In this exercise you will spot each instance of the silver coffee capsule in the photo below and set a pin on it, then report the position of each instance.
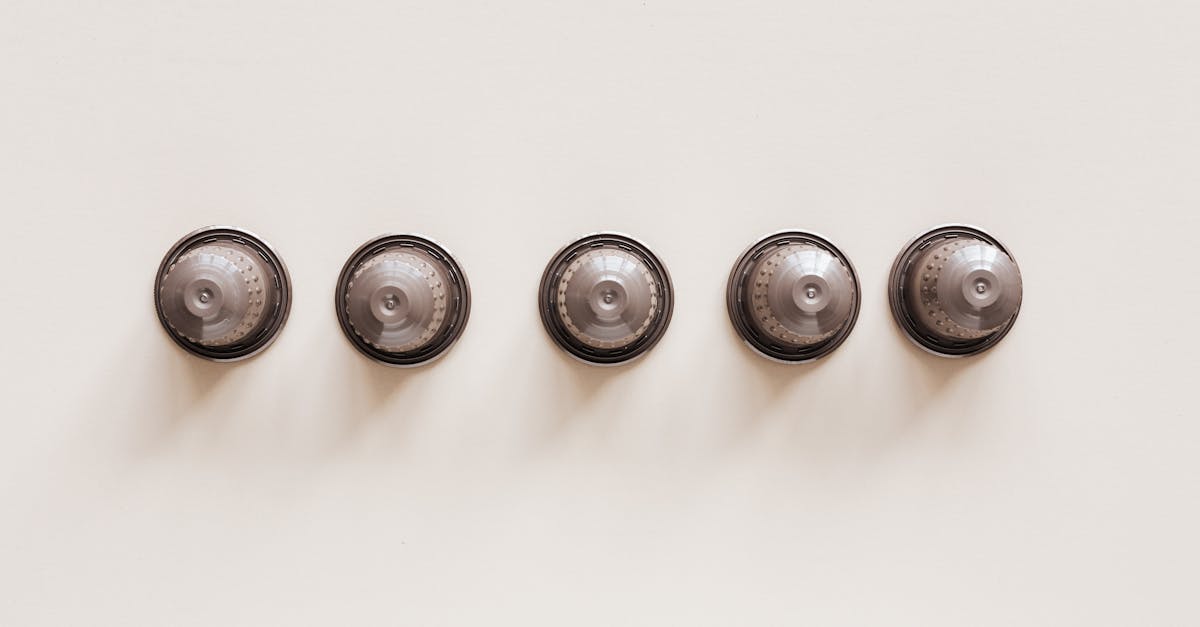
(222, 293)
(793, 296)
(605, 298)
(955, 291)
(402, 300)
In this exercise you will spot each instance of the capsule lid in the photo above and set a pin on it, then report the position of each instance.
(955, 290)
(402, 300)
(222, 293)
(605, 298)
(793, 296)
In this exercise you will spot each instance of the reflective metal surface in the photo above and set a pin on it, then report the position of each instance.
(793, 296)
(222, 293)
(605, 298)
(955, 290)
(402, 300)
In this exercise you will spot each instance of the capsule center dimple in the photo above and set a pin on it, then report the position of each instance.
(205, 295)
(980, 287)
(389, 303)
(811, 292)
(608, 297)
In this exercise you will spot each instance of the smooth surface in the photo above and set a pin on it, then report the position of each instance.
(1051, 481)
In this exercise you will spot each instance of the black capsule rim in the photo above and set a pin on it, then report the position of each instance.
(547, 300)
(460, 289)
(254, 343)
(738, 306)
(898, 279)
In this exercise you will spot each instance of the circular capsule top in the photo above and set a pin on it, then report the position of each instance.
(955, 290)
(402, 300)
(605, 298)
(793, 296)
(222, 293)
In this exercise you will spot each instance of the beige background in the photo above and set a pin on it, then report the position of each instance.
(1053, 481)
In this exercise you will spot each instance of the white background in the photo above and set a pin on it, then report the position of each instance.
(1052, 481)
